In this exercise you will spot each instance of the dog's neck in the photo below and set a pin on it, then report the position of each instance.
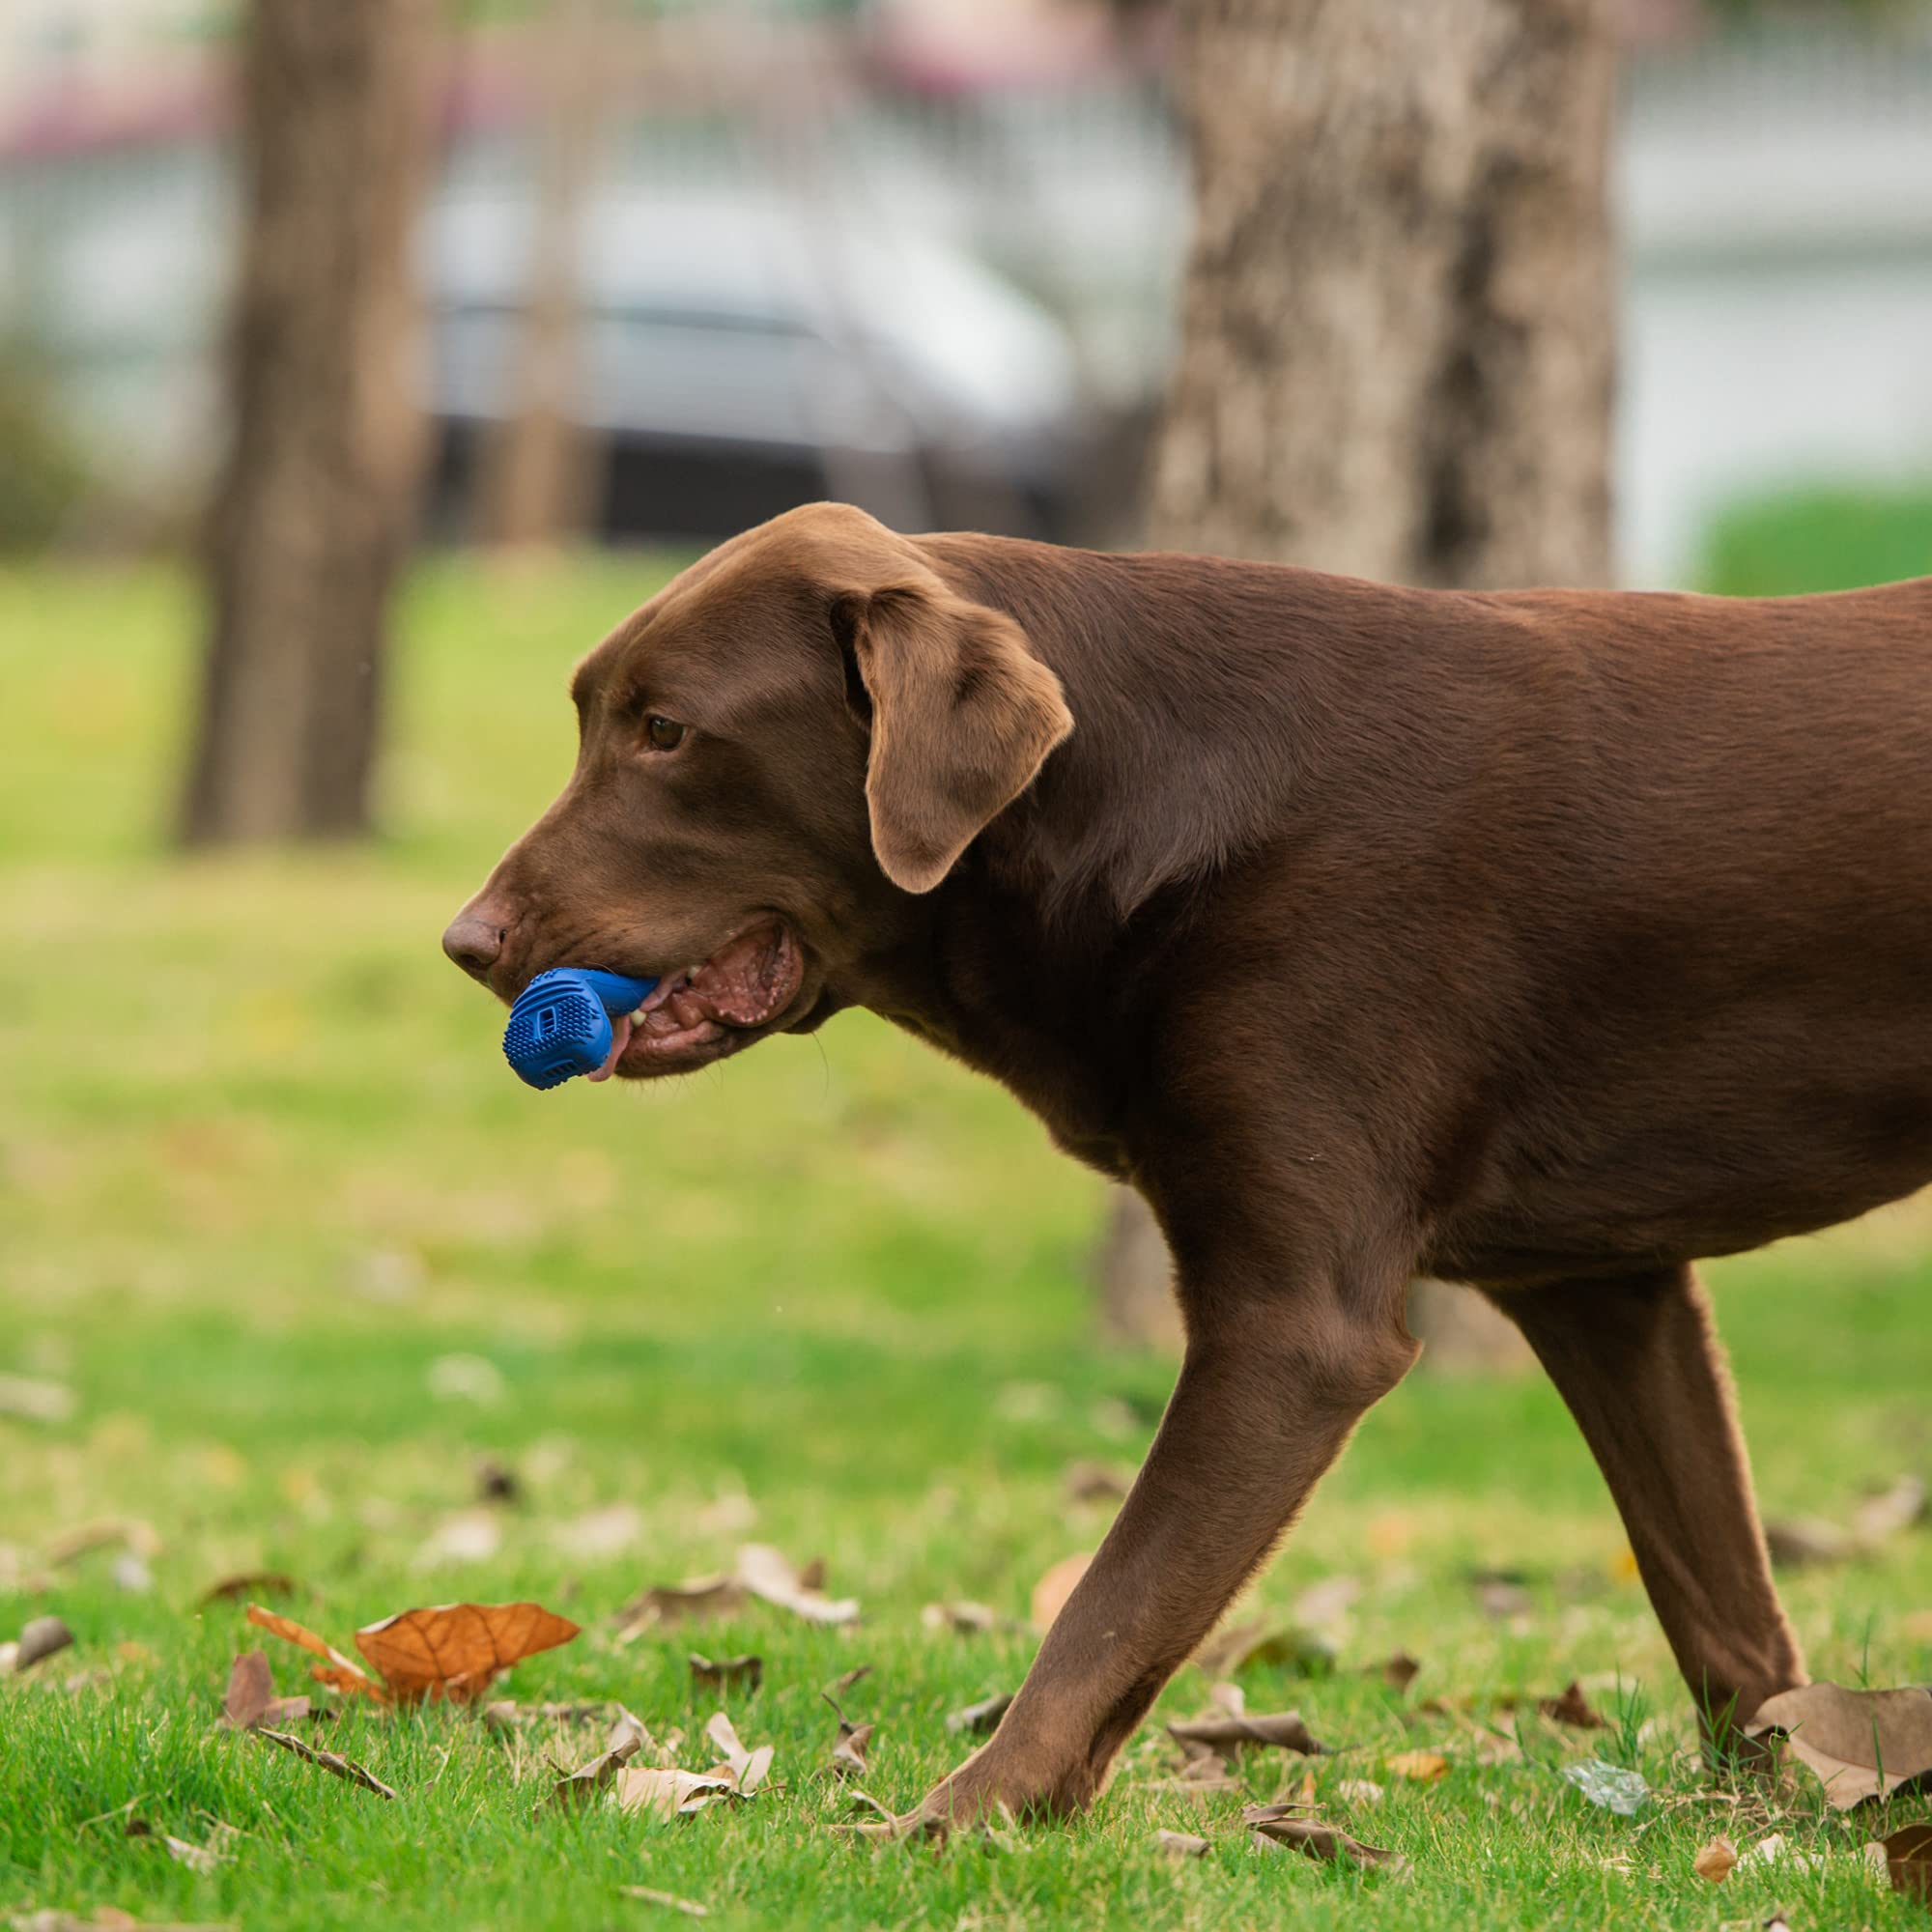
(1201, 693)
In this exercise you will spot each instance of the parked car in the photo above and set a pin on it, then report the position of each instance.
(739, 356)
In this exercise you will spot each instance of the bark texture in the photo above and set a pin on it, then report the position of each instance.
(315, 504)
(1397, 344)
(539, 476)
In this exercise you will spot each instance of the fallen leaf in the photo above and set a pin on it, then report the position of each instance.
(1327, 1603)
(603, 1533)
(647, 1895)
(1861, 1744)
(1880, 1518)
(1398, 1670)
(626, 1740)
(1502, 1593)
(105, 1533)
(341, 1672)
(1608, 1786)
(848, 1754)
(1716, 1861)
(1283, 1730)
(196, 1857)
(967, 1619)
(730, 1673)
(470, 1536)
(768, 1574)
(1051, 1592)
(1358, 1790)
(497, 1482)
(1181, 1845)
(1906, 1857)
(699, 1601)
(666, 1792)
(457, 1650)
(250, 1583)
(748, 1768)
(1307, 1653)
(843, 1682)
(251, 1690)
(1091, 1482)
(1806, 1543)
(1773, 1850)
(36, 1401)
(1418, 1766)
(1277, 1825)
(329, 1761)
(41, 1638)
(131, 1573)
(1570, 1707)
(982, 1719)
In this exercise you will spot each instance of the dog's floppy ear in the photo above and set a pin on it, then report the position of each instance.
(962, 714)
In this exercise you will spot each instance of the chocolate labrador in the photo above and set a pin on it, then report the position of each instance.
(1544, 941)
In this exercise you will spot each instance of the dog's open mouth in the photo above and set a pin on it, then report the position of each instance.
(709, 1008)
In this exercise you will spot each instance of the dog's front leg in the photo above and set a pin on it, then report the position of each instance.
(1271, 1388)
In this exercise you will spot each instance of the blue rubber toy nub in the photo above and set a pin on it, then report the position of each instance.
(560, 1025)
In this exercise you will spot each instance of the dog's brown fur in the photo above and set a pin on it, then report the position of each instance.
(1544, 941)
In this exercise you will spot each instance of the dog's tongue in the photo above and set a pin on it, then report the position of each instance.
(620, 1039)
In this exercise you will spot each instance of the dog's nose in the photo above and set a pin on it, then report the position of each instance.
(473, 940)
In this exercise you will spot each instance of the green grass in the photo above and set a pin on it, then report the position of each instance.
(1828, 537)
(261, 1169)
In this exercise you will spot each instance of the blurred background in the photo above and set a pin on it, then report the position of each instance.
(363, 361)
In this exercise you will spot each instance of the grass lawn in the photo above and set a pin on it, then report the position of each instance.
(304, 1253)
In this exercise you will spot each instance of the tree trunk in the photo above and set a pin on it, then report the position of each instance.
(1397, 334)
(539, 473)
(314, 505)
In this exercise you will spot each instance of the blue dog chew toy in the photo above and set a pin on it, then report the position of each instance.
(560, 1025)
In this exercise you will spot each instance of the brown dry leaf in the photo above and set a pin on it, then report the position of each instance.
(458, 1650)
(1051, 1592)
(649, 1894)
(1570, 1707)
(1181, 1845)
(1283, 1730)
(1906, 1857)
(1327, 1603)
(1399, 1670)
(700, 1599)
(730, 1673)
(1861, 1744)
(1091, 1482)
(196, 1857)
(768, 1574)
(666, 1792)
(1502, 1593)
(1717, 1861)
(329, 1761)
(842, 1683)
(966, 1619)
(628, 1736)
(1236, 1646)
(748, 1768)
(848, 1754)
(1276, 1825)
(1358, 1790)
(1880, 1518)
(41, 1638)
(252, 1584)
(1418, 1766)
(1804, 1543)
(340, 1671)
(982, 1719)
(125, 1532)
(251, 1690)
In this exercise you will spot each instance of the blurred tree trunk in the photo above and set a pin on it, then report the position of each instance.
(1398, 338)
(538, 480)
(314, 505)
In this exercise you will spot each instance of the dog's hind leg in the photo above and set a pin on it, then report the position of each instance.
(1639, 1362)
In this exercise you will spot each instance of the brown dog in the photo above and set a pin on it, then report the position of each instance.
(1544, 941)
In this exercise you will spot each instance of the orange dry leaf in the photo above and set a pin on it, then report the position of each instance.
(453, 1650)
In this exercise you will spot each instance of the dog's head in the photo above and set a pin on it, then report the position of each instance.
(797, 734)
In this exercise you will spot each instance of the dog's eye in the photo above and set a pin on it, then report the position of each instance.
(666, 734)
